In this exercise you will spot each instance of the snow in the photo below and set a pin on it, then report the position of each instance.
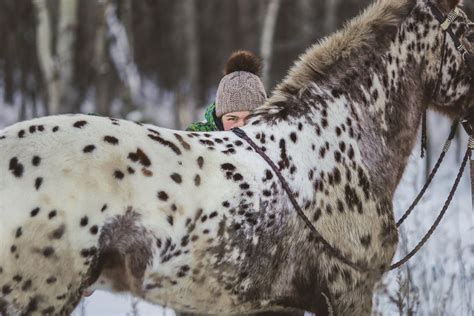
(441, 273)
(108, 304)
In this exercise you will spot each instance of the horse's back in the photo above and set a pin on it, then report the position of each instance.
(54, 198)
(69, 182)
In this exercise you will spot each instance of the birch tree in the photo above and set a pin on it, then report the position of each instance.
(121, 54)
(101, 63)
(47, 61)
(193, 55)
(66, 38)
(330, 22)
(126, 18)
(266, 43)
(57, 64)
(306, 12)
(190, 85)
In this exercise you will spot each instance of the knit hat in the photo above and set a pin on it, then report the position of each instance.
(241, 88)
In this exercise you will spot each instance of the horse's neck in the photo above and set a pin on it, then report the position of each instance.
(382, 95)
(381, 91)
(395, 85)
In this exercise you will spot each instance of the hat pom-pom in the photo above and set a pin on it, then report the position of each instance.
(243, 60)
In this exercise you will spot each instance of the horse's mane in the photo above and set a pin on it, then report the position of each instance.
(371, 29)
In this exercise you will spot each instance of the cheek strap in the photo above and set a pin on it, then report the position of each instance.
(446, 26)
(450, 18)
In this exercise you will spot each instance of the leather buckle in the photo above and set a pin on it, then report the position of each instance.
(450, 19)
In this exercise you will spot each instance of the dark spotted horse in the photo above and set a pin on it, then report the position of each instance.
(199, 221)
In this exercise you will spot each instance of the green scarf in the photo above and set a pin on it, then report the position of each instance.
(209, 125)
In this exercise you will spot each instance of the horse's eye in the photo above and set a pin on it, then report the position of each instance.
(470, 37)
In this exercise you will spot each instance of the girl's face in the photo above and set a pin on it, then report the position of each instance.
(234, 119)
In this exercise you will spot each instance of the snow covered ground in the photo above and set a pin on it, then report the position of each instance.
(438, 280)
(107, 304)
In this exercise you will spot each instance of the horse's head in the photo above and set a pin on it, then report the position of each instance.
(451, 71)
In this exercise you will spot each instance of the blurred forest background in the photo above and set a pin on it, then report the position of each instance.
(160, 61)
(116, 57)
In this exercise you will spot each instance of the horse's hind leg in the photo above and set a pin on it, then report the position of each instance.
(41, 270)
(31, 298)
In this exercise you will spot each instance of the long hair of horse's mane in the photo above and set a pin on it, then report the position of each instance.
(373, 28)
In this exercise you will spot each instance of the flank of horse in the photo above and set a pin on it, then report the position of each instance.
(198, 221)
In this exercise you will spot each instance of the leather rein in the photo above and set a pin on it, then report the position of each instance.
(468, 124)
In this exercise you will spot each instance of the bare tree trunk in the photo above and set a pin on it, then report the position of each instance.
(126, 18)
(306, 13)
(45, 54)
(65, 49)
(266, 43)
(179, 104)
(129, 104)
(24, 95)
(8, 70)
(191, 31)
(330, 22)
(122, 58)
(245, 15)
(101, 63)
(34, 105)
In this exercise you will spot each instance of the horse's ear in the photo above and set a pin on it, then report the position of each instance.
(448, 5)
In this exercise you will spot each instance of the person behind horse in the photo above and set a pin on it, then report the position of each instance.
(240, 91)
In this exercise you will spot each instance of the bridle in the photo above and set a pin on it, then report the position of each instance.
(467, 120)
(446, 25)
(468, 123)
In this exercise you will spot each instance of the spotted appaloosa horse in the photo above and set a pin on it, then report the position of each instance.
(198, 221)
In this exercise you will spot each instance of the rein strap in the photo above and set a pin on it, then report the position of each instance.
(336, 252)
(468, 124)
(333, 251)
